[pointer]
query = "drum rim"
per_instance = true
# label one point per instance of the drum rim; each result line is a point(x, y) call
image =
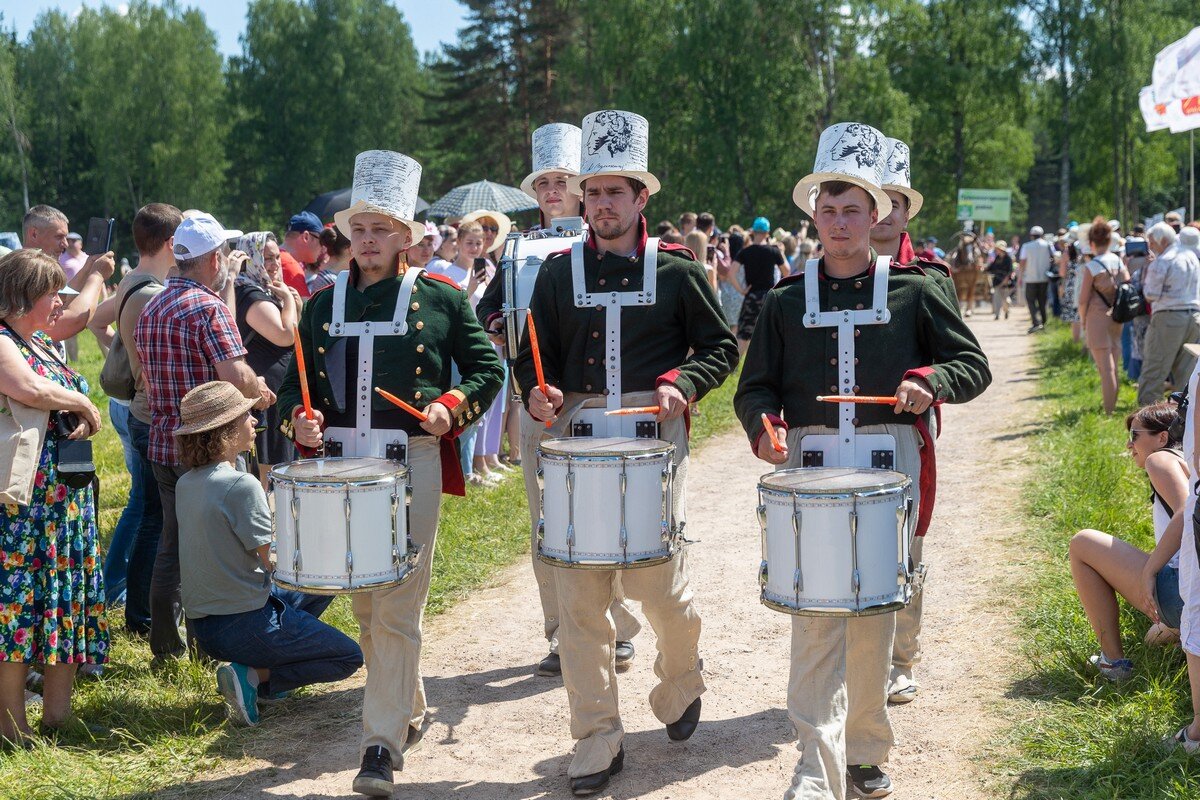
point(400, 469)
point(903, 482)
point(665, 448)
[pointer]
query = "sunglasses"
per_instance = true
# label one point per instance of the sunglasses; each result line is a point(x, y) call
point(1134, 433)
point(490, 228)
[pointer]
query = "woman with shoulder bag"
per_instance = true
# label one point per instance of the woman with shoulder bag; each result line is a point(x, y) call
point(1097, 292)
point(51, 585)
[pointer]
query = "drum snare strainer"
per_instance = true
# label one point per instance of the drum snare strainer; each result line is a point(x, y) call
point(835, 541)
point(606, 503)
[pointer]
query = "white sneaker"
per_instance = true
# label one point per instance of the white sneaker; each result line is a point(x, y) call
point(1180, 739)
point(1115, 671)
point(903, 690)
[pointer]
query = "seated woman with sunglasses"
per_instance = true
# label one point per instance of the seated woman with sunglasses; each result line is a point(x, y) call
point(1103, 566)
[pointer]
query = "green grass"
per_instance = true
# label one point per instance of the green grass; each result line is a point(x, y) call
point(1083, 737)
point(167, 725)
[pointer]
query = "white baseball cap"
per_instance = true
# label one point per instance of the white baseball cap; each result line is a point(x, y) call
point(199, 235)
point(1035, 231)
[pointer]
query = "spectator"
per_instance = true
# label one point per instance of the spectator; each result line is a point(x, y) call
point(1133, 333)
point(303, 241)
point(1101, 277)
point(272, 638)
point(1171, 284)
point(1189, 238)
point(445, 253)
point(267, 313)
point(664, 227)
point(186, 336)
point(763, 263)
point(737, 240)
point(73, 258)
point(488, 431)
point(697, 242)
point(496, 227)
point(1103, 566)
point(421, 253)
point(1004, 278)
point(337, 248)
point(1175, 221)
point(465, 271)
point(1068, 282)
point(45, 229)
point(51, 587)
point(706, 223)
point(687, 223)
point(129, 564)
point(937, 251)
point(1036, 256)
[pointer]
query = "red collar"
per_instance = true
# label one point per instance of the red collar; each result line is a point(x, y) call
point(906, 255)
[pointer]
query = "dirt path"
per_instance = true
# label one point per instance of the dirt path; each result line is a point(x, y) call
point(497, 732)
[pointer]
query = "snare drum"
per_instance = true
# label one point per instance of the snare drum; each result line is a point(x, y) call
point(341, 525)
point(835, 541)
point(606, 503)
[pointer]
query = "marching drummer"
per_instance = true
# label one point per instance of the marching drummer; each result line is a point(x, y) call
point(852, 323)
point(389, 326)
point(623, 321)
point(556, 150)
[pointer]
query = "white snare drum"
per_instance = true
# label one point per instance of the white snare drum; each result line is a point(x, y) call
point(835, 540)
point(606, 503)
point(341, 525)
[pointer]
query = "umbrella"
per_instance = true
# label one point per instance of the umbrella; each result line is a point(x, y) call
point(328, 204)
point(481, 195)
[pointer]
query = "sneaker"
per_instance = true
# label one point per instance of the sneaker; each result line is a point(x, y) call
point(903, 690)
point(375, 776)
point(34, 681)
point(32, 699)
point(624, 654)
point(1181, 739)
point(241, 698)
point(1115, 671)
point(866, 780)
point(412, 742)
point(90, 671)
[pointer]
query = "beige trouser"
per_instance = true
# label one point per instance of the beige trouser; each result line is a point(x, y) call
point(627, 625)
point(587, 635)
point(837, 690)
point(389, 621)
point(906, 651)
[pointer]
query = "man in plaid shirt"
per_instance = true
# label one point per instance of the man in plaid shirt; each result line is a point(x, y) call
point(186, 336)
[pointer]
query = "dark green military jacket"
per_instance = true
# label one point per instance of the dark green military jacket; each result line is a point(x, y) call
point(442, 330)
point(682, 339)
point(788, 365)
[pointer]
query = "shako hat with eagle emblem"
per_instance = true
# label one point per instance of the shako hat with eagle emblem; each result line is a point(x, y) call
point(852, 152)
point(897, 175)
point(615, 143)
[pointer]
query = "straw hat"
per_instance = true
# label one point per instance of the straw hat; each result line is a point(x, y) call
point(852, 152)
point(1002, 245)
point(384, 183)
point(556, 148)
point(615, 143)
point(502, 222)
point(897, 175)
point(211, 405)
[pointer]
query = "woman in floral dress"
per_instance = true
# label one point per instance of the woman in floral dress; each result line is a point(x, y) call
point(51, 585)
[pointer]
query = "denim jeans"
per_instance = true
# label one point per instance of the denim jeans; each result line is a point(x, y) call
point(466, 444)
point(285, 637)
point(145, 542)
point(117, 559)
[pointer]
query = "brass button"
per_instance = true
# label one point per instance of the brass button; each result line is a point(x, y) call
point(420, 348)
point(601, 281)
point(325, 327)
point(857, 332)
point(591, 361)
point(415, 306)
point(416, 395)
point(854, 422)
point(833, 388)
point(595, 334)
point(624, 281)
point(834, 334)
point(855, 388)
point(321, 350)
point(418, 370)
point(858, 284)
point(835, 308)
point(420, 325)
point(833, 286)
point(415, 287)
point(588, 387)
point(859, 307)
point(470, 415)
point(322, 374)
point(833, 361)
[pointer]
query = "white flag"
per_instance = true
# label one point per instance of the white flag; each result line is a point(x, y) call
point(1154, 114)
point(1176, 84)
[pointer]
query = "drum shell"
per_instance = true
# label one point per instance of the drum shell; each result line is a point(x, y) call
point(372, 552)
point(828, 551)
point(597, 514)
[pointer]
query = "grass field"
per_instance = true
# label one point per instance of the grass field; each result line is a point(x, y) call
point(1083, 737)
point(162, 727)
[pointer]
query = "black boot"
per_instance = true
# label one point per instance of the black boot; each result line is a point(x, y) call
point(590, 784)
point(375, 777)
point(683, 728)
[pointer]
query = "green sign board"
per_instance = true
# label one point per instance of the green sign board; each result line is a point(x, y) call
point(992, 205)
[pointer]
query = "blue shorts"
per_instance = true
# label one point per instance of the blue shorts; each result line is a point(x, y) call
point(1170, 604)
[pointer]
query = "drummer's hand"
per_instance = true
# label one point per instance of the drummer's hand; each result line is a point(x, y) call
point(671, 402)
point(913, 396)
point(308, 431)
point(495, 331)
point(766, 451)
point(542, 405)
point(438, 420)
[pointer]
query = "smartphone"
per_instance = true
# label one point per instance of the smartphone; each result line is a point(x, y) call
point(99, 236)
point(1133, 249)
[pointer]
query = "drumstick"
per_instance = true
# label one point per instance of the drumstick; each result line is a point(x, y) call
point(771, 434)
point(628, 412)
point(537, 358)
point(308, 412)
point(396, 401)
point(857, 398)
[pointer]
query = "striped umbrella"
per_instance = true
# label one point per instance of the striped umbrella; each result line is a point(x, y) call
point(481, 195)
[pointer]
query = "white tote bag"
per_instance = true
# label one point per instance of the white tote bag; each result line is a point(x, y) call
point(22, 434)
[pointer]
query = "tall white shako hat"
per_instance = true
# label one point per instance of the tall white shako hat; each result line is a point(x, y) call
point(897, 175)
point(556, 148)
point(615, 143)
point(384, 183)
point(852, 152)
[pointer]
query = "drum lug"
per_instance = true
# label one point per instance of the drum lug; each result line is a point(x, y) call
point(408, 493)
point(541, 479)
point(762, 573)
point(761, 511)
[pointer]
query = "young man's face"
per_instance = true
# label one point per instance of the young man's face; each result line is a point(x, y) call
point(844, 222)
point(553, 198)
point(470, 246)
point(376, 241)
point(890, 227)
point(612, 206)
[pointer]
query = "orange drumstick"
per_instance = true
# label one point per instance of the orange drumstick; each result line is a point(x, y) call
point(771, 434)
point(628, 412)
point(308, 412)
point(537, 357)
point(396, 401)
point(857, 398)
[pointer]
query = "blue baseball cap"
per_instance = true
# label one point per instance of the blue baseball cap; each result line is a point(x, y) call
point(305, 221)
point(762, 225)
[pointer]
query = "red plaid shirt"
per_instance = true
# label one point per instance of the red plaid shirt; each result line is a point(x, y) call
point(182, 334)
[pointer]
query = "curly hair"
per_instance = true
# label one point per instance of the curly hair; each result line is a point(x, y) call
point(207, 447)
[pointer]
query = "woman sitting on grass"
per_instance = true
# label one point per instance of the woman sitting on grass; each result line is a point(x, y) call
point(272, 638)
point(1103, 566)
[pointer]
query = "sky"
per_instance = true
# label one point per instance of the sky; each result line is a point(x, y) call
point(433, 21)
